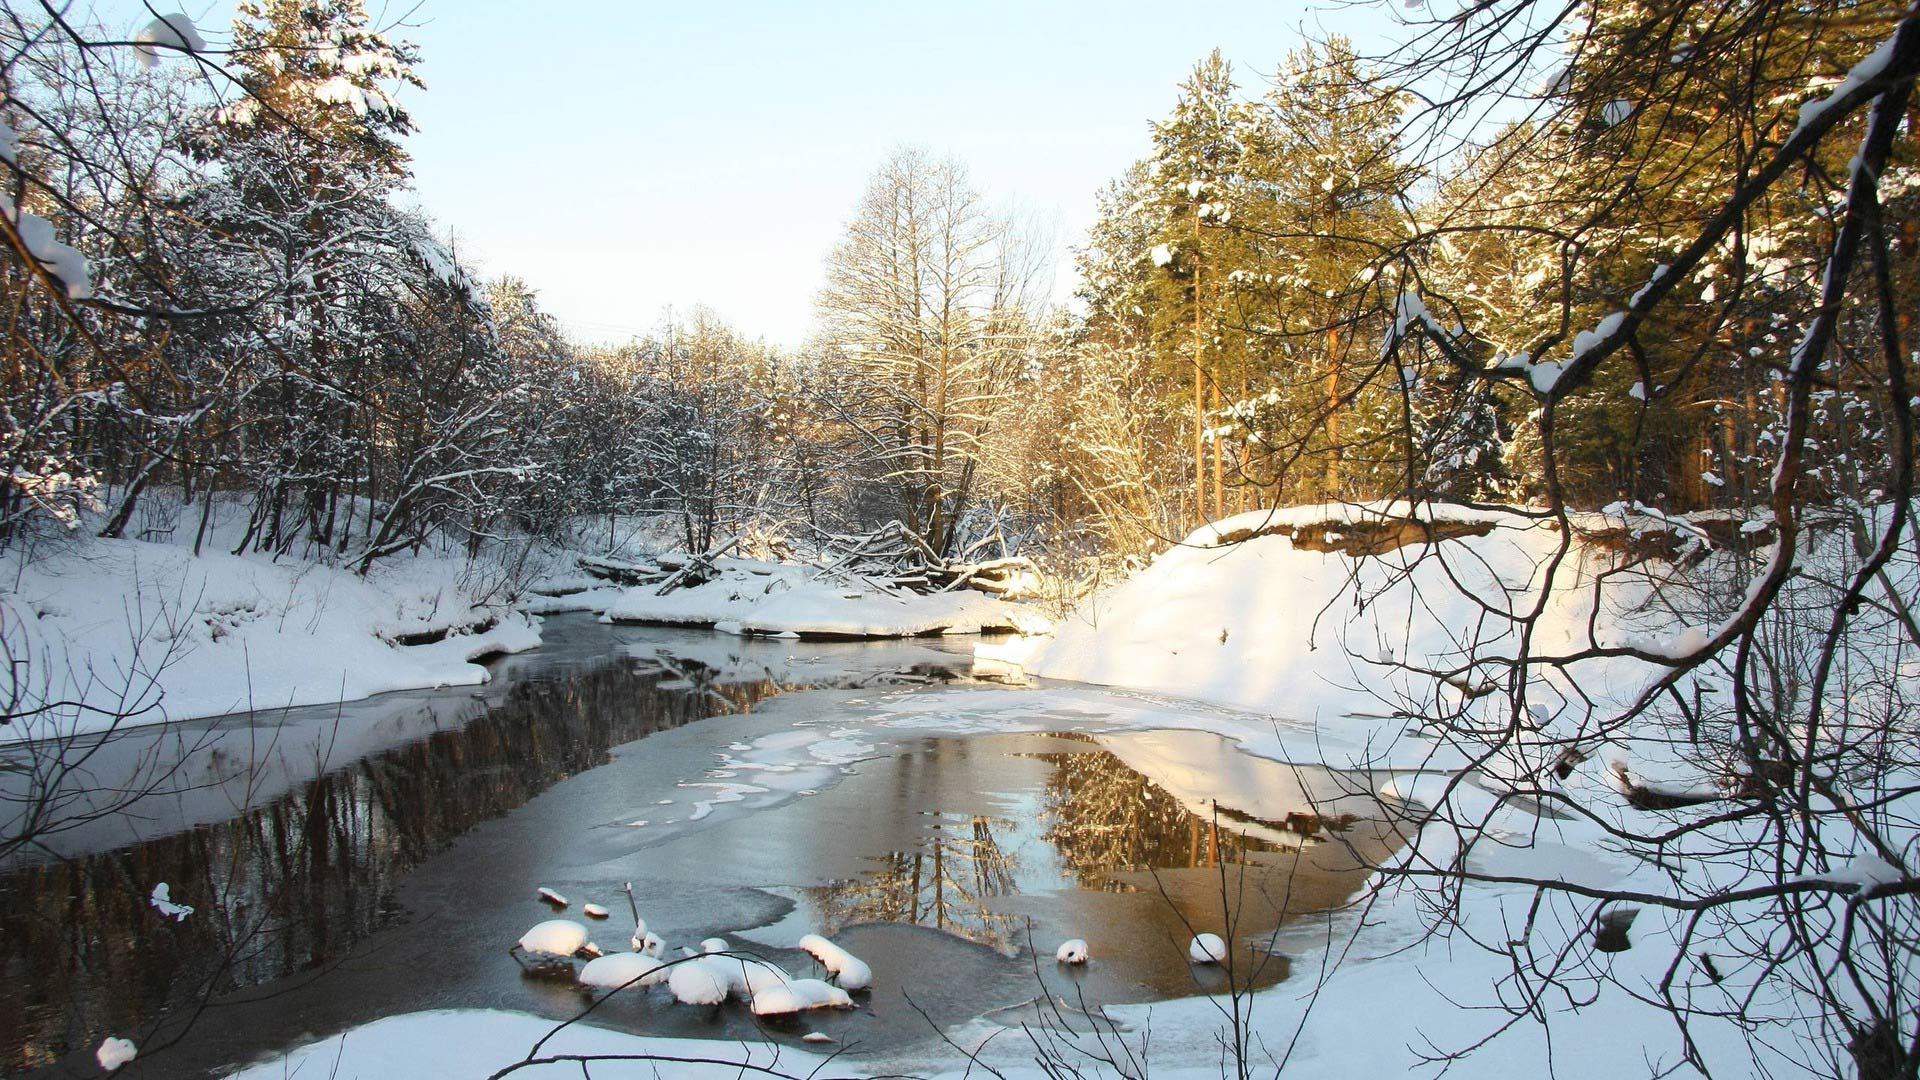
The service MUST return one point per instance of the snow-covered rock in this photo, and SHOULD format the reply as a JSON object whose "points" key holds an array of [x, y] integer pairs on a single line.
{"points": [[1207, 949], [698, 981], [555, 937], [799, 995], [848, 971], [614, 970], [115, 1052]]}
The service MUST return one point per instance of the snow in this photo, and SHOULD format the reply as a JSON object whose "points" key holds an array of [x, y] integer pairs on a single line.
{"points": [[1586, 341], [849, 971], [593, 911], [114, 1052], [1545, 375], [552, 897], [1071, 951], [799, 995], [1207, 949], [174, 32], [1265, 625], [615, 970], [1161, 254], [63, 262], [1865, 872], [747, 977], [148, 629], [162, 901], [750, 597], [1868, 69], [698, 981], [480, 1042], [1297, 647], [555, 937]]}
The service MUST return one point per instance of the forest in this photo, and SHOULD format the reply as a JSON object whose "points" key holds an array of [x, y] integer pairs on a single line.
{"points": [[213, 292]]}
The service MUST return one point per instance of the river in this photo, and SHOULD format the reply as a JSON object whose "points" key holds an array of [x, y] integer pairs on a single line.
{"points": [[380, 856]]}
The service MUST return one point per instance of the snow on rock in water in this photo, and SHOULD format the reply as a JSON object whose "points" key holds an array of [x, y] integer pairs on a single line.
{"points": [[799, 995], [1071, 951], [114, 1053], [162, 901], [848, 970], [615, 970], [698, 982], [593, 911], [555, 937], [747, 977], [714, 945], [1207, 949], [552, 897]]}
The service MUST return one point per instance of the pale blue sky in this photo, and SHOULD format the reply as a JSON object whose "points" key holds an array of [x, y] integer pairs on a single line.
{"points": [[624, 157]]}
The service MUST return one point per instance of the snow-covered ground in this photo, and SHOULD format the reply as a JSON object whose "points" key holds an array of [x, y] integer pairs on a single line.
{"points": [[1266, 610], [477, 1042], [143, 631], [147, 632], [749, 596], [1272, 611]]}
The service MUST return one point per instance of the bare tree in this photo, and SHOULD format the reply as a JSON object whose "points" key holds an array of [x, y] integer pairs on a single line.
{"points": [[929, 310], [1693, 199]]}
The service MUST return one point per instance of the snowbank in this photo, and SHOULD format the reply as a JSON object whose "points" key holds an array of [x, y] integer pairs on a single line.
{"points": [[1272, 610], [126, 626], [747, 596], [479, 1042]]}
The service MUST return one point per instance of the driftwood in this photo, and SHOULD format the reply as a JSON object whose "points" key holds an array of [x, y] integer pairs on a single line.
{"points": [[622, 572], [892, 556]]}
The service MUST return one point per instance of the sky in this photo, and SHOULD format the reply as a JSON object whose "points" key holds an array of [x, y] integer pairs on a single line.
{"points": [[624, 158]]}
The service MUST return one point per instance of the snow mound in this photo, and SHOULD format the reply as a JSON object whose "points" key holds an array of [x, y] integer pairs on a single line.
{"points": [[1207, 949], [799, 995], [555, 937], [699, 982], [615, 970], [1367, 610]]}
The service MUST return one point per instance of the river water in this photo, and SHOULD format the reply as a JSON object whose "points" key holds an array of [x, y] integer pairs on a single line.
{"points": [[378, 857]]}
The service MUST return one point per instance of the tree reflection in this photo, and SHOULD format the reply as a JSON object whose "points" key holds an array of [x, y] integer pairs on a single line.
{"points": [[1101, 818], [291, 885], [947, 882]]}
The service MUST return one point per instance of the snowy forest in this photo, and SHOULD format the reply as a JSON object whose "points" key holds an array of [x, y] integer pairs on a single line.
{"points": [[1439, 593]]}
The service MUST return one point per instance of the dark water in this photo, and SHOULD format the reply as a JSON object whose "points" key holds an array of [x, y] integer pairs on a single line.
{"points": [[378, 858]]}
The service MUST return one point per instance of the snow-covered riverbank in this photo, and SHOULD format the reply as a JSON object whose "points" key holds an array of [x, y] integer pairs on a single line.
{"points": [[119, 632]]}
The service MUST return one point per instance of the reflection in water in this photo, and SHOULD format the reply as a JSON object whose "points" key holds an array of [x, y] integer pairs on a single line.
{"points": [[1089, 823], [947, 882], [1104, 817], [297, 881]]}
